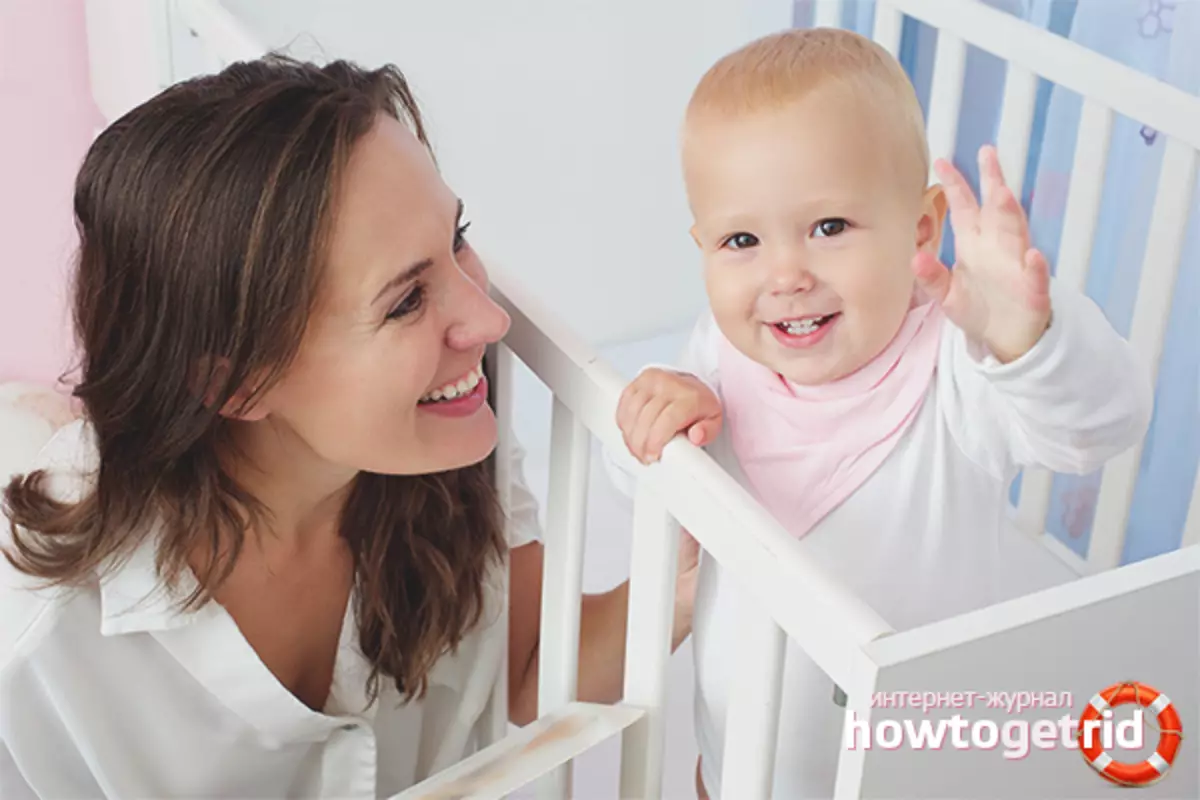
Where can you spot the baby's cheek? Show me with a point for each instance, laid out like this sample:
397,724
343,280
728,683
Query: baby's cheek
731,290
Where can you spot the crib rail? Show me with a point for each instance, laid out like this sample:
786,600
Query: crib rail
685,488
1107,88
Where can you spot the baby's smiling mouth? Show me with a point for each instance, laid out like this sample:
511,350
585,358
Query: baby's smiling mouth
802,326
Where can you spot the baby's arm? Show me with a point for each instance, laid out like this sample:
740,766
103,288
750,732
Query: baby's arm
662,402
1079,397
1030,373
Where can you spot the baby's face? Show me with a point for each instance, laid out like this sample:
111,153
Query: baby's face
808,233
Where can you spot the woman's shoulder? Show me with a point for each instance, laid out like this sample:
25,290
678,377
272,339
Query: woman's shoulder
29,609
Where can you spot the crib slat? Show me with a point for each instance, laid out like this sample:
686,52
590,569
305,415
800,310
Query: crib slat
1084,194
1191,528
562,577
752,724
889,26
1160,268
827,13
501,363
652,572
1074,259
1016,123
945,96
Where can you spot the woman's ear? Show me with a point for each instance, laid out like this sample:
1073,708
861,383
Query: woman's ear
246,405
933,216
210,378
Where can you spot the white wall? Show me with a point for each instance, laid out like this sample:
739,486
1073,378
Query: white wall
556,121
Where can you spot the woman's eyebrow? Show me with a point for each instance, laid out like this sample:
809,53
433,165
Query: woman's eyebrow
403,277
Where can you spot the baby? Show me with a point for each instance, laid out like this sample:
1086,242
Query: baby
876,402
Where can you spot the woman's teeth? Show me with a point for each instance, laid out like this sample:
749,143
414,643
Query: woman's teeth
463,387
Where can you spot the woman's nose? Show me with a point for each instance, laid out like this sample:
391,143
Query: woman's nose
477,318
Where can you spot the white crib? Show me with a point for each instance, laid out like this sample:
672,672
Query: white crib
1057,641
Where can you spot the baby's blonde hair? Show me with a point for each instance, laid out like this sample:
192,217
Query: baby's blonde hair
776,70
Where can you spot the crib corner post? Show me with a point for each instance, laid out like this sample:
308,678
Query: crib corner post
498,367
651,616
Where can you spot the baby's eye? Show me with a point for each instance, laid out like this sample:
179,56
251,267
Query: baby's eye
741,241
830,227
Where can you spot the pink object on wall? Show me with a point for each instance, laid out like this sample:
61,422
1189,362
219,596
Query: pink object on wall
49,119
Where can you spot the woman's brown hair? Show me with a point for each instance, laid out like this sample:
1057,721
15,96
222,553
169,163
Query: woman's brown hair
204,218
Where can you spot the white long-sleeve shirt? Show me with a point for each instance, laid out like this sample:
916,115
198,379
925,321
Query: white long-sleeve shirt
927,535
110,692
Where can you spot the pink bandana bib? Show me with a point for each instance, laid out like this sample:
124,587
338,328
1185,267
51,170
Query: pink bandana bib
805,449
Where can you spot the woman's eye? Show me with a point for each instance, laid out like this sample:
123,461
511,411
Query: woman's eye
741,241
411,303
830,227
460,236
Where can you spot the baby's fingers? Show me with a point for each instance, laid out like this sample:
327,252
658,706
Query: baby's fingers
1002,212
633,398
642,440
964,210
675,418
991,176
704,431
1037,277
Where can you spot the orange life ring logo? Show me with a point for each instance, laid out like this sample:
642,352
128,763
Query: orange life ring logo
1170,733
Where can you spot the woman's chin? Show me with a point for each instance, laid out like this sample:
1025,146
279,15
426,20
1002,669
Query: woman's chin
456,443
441,444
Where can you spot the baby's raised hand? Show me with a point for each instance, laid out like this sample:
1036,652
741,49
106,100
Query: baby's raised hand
999,290
659,404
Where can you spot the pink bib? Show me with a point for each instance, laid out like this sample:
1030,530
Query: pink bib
805,449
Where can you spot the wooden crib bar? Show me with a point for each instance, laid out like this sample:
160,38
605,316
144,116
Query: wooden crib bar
1016,124
500,364
652,572
945,96
827,13
1151,315
752,722
1080,217
889,27
562,577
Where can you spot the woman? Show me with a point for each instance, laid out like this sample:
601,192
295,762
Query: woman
264,565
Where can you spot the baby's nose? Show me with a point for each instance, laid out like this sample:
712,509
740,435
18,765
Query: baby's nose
791,274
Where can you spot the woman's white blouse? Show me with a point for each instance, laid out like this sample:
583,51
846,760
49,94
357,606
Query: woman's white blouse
109,691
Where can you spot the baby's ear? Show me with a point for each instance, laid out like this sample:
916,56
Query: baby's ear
933,217
695,238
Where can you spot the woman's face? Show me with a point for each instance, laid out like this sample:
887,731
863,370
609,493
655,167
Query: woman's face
387,378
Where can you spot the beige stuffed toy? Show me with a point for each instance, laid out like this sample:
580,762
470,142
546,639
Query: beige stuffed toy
30,414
